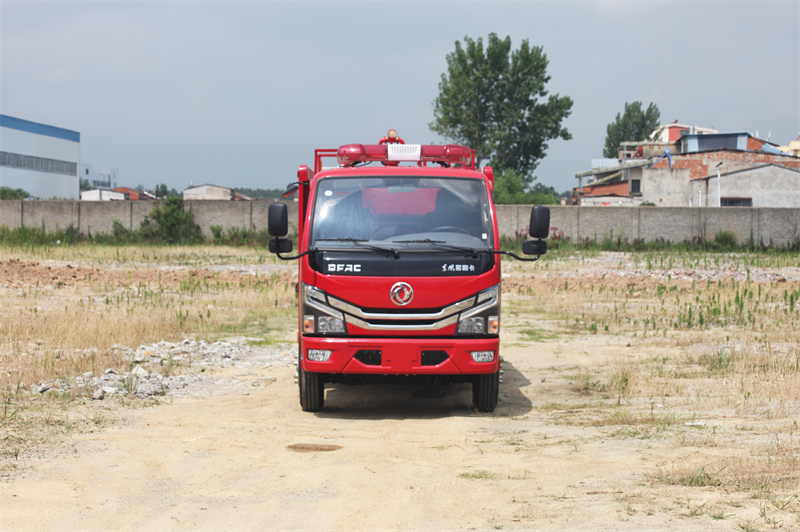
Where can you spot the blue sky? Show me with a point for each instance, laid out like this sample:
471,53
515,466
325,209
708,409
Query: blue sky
241,93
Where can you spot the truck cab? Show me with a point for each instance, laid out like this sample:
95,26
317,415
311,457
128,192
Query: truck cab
399,274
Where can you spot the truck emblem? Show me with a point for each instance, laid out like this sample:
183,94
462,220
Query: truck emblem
401,294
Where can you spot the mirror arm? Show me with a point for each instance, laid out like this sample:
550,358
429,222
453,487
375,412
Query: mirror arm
303,254
515,256
299,184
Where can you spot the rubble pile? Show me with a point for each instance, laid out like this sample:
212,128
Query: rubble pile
179,369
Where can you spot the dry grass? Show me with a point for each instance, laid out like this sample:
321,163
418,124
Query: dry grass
140,255
52,330
763,472
701,356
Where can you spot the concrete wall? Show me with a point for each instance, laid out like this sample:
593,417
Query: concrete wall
674,224
665,187
768,186
577,223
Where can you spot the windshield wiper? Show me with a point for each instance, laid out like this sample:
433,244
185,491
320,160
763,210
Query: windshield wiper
439,243
357,242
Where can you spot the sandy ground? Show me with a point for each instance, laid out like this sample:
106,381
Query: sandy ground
378,458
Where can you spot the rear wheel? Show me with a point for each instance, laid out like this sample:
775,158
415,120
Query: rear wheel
312,390
485,391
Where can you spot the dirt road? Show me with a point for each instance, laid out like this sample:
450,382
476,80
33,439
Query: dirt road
386,458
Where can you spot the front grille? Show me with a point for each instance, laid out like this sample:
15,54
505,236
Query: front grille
408,323
395,310
369,357
433,358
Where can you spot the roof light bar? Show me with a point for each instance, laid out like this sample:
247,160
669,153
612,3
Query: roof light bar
450,154
404,152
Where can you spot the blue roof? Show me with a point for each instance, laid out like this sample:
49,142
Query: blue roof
39,129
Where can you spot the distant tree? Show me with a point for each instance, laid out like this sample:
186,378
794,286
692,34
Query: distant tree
634,125
493,100
85,185
8,193
510,189
160,191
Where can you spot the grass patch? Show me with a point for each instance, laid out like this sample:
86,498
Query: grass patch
773,467
478,475
537,335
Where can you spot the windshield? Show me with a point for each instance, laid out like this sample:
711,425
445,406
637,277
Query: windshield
401,212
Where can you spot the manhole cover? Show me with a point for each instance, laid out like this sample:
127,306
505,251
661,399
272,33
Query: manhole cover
312,448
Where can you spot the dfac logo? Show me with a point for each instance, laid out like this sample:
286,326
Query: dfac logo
344,267
401,294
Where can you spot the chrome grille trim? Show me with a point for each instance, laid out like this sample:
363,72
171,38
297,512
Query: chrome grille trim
400,327
444,313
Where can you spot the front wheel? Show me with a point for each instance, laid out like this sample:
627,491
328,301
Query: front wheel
312,390
485,391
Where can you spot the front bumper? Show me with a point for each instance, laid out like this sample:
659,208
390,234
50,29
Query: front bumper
401,356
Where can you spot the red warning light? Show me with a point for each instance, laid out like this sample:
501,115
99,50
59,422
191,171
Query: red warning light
391,138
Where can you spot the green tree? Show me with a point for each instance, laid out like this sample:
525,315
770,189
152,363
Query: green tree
634,125
8,193
169,223
85,185
160,191
493,100
510,188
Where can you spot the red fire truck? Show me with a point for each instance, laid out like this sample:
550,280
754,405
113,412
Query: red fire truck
399,274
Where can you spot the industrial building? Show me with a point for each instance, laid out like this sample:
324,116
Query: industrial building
40,159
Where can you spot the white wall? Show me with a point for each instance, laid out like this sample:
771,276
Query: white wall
769,186
39,184
16,141
666,187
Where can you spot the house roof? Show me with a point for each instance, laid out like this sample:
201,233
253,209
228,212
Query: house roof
624,166
752,168
207,185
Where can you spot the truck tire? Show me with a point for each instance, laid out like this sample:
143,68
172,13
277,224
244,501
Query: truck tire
485,391
312,390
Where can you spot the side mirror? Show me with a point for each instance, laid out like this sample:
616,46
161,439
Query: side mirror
534,247
278,220
280,245
291,188
540,222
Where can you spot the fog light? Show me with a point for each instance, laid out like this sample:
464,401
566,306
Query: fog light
308,324
330,325
494,325
319,355
482,356
471,325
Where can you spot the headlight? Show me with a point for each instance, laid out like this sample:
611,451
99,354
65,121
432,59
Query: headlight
326,324
318,316
471,326
484,317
